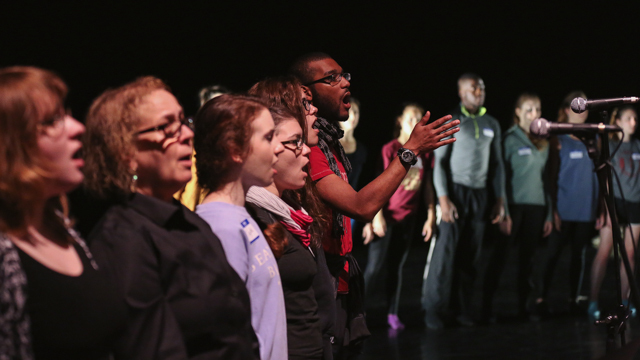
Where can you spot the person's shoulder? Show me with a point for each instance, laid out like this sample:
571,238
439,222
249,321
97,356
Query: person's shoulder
261,216
223,218
118,218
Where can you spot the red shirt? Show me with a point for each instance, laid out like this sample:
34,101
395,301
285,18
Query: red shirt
319,168
406,198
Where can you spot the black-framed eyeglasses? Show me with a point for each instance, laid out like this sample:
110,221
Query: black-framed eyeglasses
172,129
55,125
297,143
307,104
333,79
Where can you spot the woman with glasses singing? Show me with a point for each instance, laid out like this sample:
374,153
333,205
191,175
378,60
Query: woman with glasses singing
184,299
235,150
292,201
55,302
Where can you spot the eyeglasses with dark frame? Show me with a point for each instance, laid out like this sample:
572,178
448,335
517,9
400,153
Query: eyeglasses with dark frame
171,129
333,79
297,143
307,105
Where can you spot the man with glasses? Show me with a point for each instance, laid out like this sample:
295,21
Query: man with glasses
329,85
460,178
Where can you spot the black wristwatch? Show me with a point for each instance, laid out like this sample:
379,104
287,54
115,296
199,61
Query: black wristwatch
407,156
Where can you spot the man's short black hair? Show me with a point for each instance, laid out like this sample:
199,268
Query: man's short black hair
300,67
469,76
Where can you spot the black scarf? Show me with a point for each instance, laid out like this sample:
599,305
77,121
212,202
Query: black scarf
330,135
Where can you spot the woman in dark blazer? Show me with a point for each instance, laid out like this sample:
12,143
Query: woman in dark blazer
184,299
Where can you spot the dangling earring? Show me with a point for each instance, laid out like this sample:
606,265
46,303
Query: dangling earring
134,182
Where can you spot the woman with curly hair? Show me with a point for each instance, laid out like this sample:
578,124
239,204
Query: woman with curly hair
184,298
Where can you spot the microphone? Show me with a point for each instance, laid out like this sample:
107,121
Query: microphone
543,128
580,105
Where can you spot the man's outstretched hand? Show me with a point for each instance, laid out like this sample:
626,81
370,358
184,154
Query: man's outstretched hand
428,137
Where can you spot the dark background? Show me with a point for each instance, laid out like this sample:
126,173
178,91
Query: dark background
396,52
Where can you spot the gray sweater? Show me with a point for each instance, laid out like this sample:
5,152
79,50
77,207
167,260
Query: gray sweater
475,156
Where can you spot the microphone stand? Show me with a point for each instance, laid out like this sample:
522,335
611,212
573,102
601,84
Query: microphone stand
616,319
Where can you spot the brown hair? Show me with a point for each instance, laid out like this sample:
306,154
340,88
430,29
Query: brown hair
28,97
616,114
566,103
222,130
284,91
109,138
539,142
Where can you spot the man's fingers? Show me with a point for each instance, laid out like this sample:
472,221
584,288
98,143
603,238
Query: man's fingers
425,119
447,133
444,142
441,120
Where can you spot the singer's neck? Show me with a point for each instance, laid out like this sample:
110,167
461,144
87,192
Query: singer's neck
626,137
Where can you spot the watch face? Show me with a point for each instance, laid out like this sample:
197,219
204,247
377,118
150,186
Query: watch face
407,157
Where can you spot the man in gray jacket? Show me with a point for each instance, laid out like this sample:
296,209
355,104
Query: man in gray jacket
461,174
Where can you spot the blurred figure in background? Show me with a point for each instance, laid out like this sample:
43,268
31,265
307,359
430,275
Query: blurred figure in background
529,212
391,232
465,174
192,195
626,163
573,187
356,151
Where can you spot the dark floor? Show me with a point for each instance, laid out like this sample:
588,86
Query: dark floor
560,336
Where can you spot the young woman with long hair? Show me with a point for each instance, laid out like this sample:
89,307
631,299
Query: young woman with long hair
235,150
287,92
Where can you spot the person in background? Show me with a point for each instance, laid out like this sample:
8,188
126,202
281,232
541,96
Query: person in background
356,151
184,298
286,92
529,216
573,187
212,91
465,175
55,301
191,195
626,163
391,232
236,149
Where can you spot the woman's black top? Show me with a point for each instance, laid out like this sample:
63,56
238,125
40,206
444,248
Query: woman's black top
298,268
72,317
184,299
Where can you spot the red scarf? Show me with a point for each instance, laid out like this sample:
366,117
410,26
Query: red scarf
304,221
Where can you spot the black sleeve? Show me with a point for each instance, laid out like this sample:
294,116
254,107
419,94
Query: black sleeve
152,331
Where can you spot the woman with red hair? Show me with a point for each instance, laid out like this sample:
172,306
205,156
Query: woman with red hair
55,301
